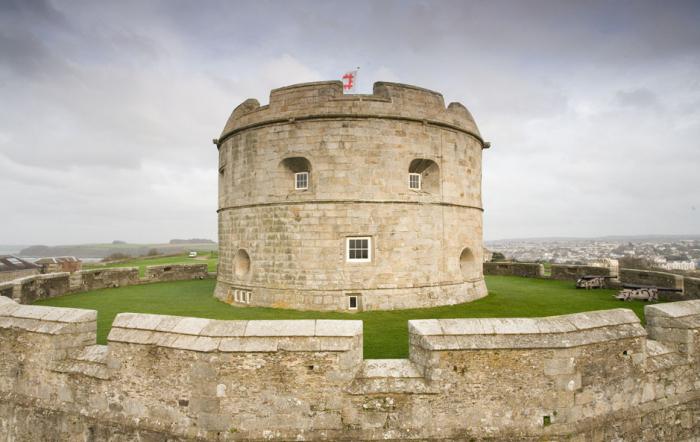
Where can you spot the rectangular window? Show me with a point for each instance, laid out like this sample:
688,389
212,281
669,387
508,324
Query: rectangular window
359,249
414,181
352,302
301,180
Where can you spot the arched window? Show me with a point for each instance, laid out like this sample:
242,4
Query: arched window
424,175
296,171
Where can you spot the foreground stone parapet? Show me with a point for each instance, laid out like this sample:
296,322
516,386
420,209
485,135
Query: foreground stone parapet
587,376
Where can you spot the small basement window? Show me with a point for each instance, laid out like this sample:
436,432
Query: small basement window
359,249
352,302
414,181
301,180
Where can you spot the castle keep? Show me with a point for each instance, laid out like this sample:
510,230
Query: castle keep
350,202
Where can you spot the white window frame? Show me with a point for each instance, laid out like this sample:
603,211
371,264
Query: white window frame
357,302
296,180
420,179
369,249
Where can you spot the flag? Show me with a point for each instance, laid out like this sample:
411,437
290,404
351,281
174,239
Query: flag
350,81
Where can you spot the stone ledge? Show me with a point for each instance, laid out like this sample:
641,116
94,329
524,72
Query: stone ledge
674,309
549,332
210,335
31,278
107,269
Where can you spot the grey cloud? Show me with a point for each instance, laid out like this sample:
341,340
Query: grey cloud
639,98
107,110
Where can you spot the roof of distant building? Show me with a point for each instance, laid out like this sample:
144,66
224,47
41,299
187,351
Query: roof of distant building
9,263
56,260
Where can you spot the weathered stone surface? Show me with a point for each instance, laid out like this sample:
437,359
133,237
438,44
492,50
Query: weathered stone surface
589,376
176,272
646,277
284,247
524,269
574,272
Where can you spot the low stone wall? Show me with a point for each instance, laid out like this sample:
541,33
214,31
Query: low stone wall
16,274
525,269
691,287
30,289
177,272
589,376
94,279
574,272
33,288
646,277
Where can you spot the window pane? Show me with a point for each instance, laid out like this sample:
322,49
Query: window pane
365,255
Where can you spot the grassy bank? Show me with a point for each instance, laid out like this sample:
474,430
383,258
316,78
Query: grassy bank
385,333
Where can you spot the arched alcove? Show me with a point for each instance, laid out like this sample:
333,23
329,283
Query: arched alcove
467,263
289,170
241,264
429,173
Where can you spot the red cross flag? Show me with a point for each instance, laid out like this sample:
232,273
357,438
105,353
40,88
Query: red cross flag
350,82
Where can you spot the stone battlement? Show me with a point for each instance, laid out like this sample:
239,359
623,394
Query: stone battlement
592,376
50,285
325,99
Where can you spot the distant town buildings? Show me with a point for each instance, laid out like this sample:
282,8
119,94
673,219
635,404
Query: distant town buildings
668,254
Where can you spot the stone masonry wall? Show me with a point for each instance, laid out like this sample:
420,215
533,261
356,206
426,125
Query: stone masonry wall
574,272
33,288
30,289
93,279
524,269
358,150
691,287
645,277
591,376
177,272
16,274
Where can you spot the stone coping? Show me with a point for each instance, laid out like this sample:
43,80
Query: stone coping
210,335
45,313
46,320
563,331
674,309
40,276
219,328
107,269
678,315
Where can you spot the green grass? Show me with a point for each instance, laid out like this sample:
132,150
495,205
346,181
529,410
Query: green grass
142,262
385,333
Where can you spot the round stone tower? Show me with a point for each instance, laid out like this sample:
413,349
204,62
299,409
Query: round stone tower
350,202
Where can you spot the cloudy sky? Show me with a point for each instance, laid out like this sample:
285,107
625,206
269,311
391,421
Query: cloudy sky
107,109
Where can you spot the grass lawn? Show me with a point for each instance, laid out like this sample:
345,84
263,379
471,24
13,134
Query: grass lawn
385,333
141,262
